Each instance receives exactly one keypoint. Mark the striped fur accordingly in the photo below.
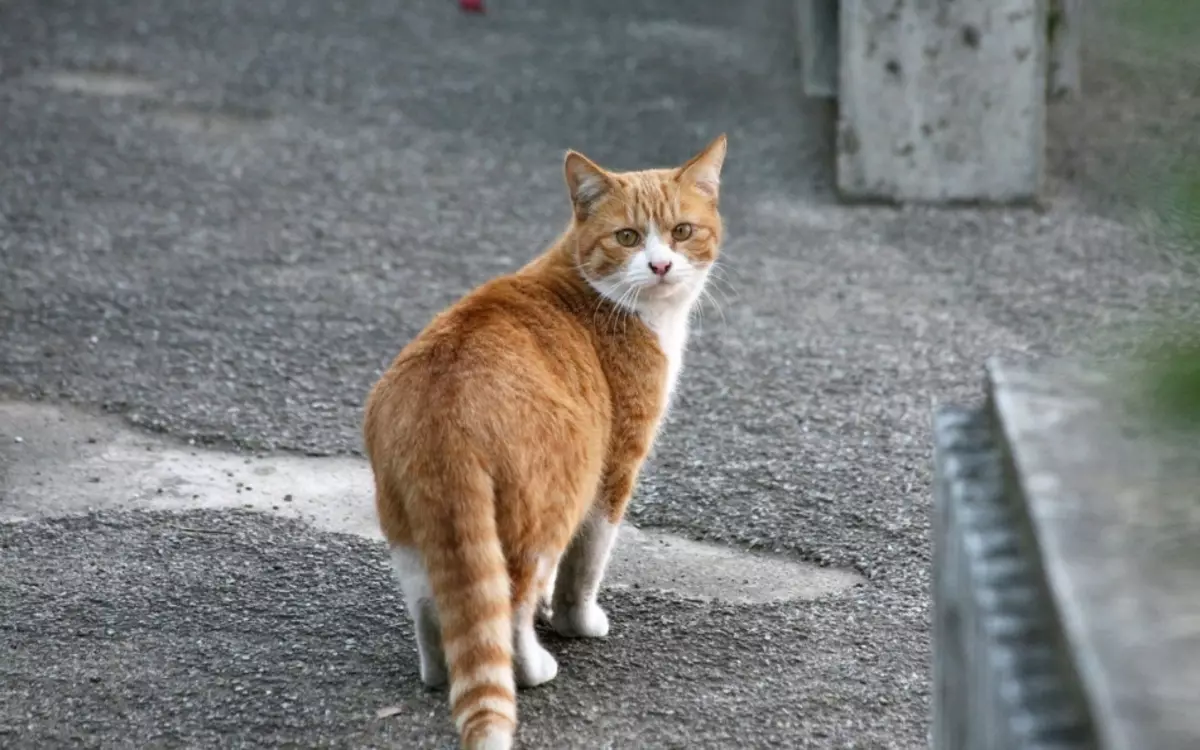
(507, 437)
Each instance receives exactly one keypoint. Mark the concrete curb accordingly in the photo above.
(1058, 623)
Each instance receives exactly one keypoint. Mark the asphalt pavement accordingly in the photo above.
(219, 221)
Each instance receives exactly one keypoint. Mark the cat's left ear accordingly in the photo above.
(703, 171)
(586, 181)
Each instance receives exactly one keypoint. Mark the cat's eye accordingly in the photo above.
(628, 237)
(681, 232)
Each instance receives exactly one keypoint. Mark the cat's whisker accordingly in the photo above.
(717, 279)
(707, 296)
(714, 290)
(696, 314)
(637, 293)
(726, 293)
(615, 306)
(620, 310)
(718, 273)
(725, 269)
(614, 310)
(599, 297)
(609, 312)
(629, 304)
(717, 297)
(722, 271)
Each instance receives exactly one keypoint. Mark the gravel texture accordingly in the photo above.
(222, 219)
(232, 629)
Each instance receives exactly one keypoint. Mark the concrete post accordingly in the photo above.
(817, 27)
(1066, 42)
(942, 101)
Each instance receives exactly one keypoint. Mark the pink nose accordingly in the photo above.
(660, 267)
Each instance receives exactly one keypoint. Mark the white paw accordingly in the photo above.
(534, 666)
(582, 620)
(433, 673)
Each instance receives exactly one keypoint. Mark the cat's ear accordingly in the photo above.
(703, 171)
(586, 181)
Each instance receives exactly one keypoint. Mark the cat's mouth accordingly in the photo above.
(661, 288)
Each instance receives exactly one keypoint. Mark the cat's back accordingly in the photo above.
(510, 321)
(511, 346)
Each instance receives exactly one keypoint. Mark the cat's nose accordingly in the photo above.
(660, 267)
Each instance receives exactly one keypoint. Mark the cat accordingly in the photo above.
(506, 438)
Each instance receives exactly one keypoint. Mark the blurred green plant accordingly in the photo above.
(1168, 30)
(1174, 384)
(1184, 207)
(1173, 375)
(1161, 22)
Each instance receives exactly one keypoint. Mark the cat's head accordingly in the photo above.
(647, 236)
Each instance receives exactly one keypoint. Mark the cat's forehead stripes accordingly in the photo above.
(652, 196)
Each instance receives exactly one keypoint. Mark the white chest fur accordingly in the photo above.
(669, 322)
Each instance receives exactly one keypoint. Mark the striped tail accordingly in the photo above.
(469, 578)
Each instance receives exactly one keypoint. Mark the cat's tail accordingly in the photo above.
(470, 582)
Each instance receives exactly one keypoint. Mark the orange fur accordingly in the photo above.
(521, 409)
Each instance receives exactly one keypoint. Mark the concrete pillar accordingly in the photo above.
(1066, 42)
(817, 27)
(942, 101)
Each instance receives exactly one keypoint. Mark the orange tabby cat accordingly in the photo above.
(506, 438)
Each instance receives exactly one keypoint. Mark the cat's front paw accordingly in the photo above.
(582, 620)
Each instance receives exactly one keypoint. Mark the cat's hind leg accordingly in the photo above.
(547, 575)
(576, 613)
(581, 571)
(409, 570)
(532, 664)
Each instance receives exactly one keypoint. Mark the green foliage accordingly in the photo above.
(1174, 373)
(1185, 208)
(1174, 377)
(1173, 383)
(1165, 22)
(1168, 30)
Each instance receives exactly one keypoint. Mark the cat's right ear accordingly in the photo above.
(586, 181)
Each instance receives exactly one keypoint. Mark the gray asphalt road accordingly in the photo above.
(222, 219)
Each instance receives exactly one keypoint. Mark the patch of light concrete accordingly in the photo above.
(98, 83)
(56, 461)
(716, 42)
(200, 122)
